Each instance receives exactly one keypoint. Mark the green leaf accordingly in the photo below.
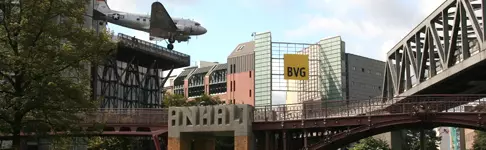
(44, 54)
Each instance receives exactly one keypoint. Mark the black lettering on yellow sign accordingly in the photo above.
(296, 71)
(296, 67)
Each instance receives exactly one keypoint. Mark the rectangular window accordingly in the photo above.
(250, 93)
(234, 85)
(250, 74)
(231, 86)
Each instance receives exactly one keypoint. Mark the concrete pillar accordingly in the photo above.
(243, 142)
(397, 139)
(174, 143)
(193, 123)
(204, 143)
(189, 142)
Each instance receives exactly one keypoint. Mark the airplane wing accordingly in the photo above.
(97, 15)
(160, 21)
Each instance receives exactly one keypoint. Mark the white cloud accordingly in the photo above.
(384, 22)
(125, 5)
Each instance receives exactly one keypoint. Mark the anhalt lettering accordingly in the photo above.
(206, 115)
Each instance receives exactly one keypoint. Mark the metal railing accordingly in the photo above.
(148, 116)
(369, 107)
(312, 110)
(129, 40)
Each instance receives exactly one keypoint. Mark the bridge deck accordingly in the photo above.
(146, 53)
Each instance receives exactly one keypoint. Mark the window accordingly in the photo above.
(240, 47)
(234, 85)
(138, 19)
(231, 86)
(362, 70)
(250, 93)
(144, 19)
(250, 74)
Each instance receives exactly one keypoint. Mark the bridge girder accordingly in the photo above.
(436, 45)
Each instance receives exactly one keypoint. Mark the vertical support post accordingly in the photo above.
(483, 11)
(422, 139)
(155, 139)
(267, 141)
(284, 140)
(305, 139)
(462, 138)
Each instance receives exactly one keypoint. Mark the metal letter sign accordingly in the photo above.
(296, 67)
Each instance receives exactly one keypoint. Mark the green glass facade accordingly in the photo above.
(332, 68)
(263, 69)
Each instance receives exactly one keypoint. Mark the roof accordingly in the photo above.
(202, 70)
(186, 72)
(220, 67)
(243, 49)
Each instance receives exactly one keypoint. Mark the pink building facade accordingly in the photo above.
(232, 82)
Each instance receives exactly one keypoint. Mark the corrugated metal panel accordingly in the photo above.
(203, 70)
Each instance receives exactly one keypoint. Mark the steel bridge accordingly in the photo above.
(444, 54)
(315, 125)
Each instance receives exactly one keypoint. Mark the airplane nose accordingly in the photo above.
(203, 30)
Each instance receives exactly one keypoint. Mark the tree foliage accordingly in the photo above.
(44, 56)
(175, 100)
(479, 140)
(412, 140)
(371, 143)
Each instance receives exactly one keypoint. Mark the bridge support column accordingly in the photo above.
(205, 143)
(244, 142)
(197, 123)
(396, 138)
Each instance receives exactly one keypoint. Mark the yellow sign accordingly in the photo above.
(296, 67)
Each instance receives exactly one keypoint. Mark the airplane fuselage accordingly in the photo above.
(142, 23)
(158, 24)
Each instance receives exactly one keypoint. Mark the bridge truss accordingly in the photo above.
(447, 42)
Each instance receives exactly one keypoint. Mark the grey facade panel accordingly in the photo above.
(243, 63)
(364, 77)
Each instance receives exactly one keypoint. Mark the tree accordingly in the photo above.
(480, 137)
(412, 140)
(205, 100)
(371, 143)
(174, 100)
(479, 140)
(44, 56)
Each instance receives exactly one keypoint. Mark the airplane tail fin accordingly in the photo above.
(102, 6)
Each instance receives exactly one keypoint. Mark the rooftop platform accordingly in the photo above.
(145, 53)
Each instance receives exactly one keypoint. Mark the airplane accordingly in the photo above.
(158, 24)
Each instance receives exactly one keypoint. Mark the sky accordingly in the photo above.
(370, 28)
